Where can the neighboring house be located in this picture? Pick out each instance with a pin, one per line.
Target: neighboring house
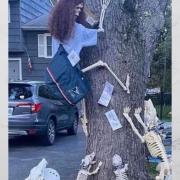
(30, 44)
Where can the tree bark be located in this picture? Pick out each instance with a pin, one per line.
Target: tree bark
(127, 45)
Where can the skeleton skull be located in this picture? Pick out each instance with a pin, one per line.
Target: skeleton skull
(150, 114)
(117, 161)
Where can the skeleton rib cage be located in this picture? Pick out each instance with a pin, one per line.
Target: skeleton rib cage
(151, 138)
(120, 175)
(155, 146)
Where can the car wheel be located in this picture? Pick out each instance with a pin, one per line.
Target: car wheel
(50, 135)
(74, 128)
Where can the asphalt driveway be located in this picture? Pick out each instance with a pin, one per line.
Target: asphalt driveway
(64, 156)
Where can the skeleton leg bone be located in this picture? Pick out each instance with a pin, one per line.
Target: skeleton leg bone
(84, 118)
(164, 173)
(160, 168)
(102, 64)
(126, 115)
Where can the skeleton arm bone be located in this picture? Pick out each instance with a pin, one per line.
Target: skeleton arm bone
(126, 115)
(138, 117)
(117, 79)
(101, 20)
(104, 5)
(102, 64)
(128, 83)
(97, 64)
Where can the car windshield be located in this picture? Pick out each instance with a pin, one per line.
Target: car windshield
(19, 91)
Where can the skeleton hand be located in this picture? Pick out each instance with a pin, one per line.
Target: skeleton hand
(138, 110)
(100, 163)
(100, 29)
(127, 110)
(126, 167)
(138, 117)
(126, 115)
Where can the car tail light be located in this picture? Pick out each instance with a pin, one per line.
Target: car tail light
(34, 107)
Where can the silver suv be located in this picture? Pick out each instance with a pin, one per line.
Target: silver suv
(34, 109)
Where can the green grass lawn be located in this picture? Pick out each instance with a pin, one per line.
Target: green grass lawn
(166, 113)
(152, 170)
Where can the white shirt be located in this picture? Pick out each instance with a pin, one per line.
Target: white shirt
(82, 37)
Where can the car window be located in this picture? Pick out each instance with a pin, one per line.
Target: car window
(55, 92)
(49, 91)
(44, 91)
(20, 91)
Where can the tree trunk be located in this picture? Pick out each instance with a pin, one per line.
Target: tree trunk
(127, 45)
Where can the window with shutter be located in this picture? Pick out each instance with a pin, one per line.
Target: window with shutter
(49, 45)
(41, 45)
(45, 45)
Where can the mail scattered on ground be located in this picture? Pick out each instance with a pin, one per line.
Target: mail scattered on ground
(73, 58)
(113, 120)
(106, 94)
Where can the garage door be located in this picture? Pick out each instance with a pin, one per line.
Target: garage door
(15, 69)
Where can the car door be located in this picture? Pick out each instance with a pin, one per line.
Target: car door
(63, 111)
(52, 106)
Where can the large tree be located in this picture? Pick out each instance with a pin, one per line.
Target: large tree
(131, 32)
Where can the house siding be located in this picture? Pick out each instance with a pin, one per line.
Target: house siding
(32, 9)
(38, 64)
(15, 44)
(21, 12)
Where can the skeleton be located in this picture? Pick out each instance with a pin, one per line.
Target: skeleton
(104, 5)
(40, 172)
(86, 165)
(120, 172)
(102, 64)
(150, 137)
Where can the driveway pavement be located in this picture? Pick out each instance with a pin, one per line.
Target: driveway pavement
(64, 156)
